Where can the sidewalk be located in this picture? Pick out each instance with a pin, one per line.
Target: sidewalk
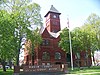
(89, 73)
(84, 73)
(58, 73)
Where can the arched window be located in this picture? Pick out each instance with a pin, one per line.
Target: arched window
(57, 55)
(45, 56)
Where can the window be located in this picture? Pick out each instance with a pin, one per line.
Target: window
(57, 55)
(46, 56)
(45, 42)
(55, 23)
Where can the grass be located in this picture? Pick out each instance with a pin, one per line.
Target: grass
(85, 71)
(8, 72)
(77, 71)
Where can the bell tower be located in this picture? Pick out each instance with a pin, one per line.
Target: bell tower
(53, 20)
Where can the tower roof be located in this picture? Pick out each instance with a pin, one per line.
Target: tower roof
(52, 9)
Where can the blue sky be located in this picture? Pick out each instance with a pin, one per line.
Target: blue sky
(76, 10)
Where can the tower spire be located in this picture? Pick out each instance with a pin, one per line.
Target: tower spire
(53, 10)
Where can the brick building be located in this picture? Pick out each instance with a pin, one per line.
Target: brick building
(48, 53)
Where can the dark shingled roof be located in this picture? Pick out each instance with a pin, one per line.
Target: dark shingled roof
(52, 9)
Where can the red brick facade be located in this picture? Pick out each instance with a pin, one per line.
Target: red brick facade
(49, 53)
(83, 60)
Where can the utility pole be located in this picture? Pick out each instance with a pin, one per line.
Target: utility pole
(70, 46)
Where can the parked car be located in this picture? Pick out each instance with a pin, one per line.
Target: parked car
(7, 67)
(0, 66)
(98, 64)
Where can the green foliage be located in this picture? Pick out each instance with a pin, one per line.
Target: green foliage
(35, 37)
(76, 40)
(20, 14)
(64, 42)
(92, 24)
(85, 38)
(93, 19)
(6, 35)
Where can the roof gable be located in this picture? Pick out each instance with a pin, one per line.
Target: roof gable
(45, 33)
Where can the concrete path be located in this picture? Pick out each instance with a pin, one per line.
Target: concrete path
(92, 73)
(59, 73)
(43, 73)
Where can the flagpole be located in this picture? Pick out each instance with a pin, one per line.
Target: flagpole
(70, 46)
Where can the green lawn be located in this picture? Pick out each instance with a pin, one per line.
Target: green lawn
(77, 71)
(8, 72)
(86, 71)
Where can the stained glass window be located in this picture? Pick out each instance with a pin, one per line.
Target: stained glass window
(46, 56)
(57, 55)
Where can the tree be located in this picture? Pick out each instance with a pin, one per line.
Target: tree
(6, 38)
(94, 21)
(76, 39)
(87, 35)
(84, 38)
(92, 24)
(24, 14)
(36, 39)
(64, 42)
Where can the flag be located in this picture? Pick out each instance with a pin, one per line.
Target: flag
(68, 22)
